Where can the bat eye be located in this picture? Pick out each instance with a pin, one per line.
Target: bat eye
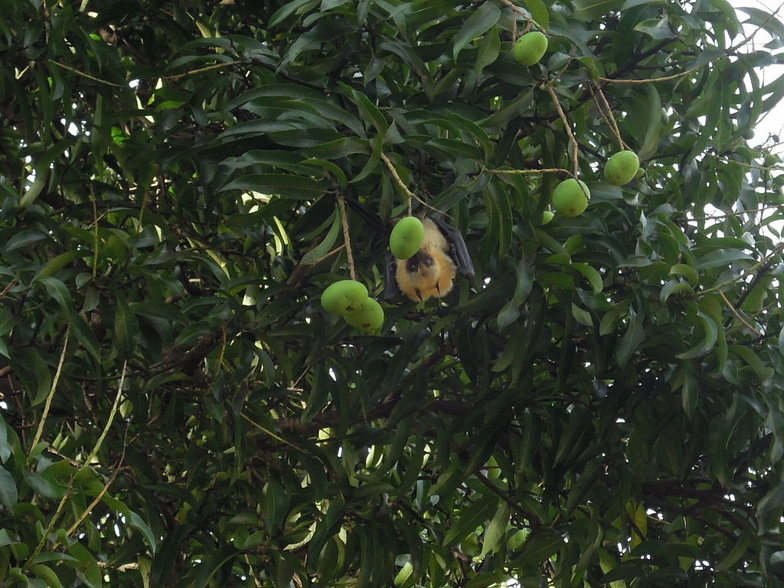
(427, 260)
(412, 265)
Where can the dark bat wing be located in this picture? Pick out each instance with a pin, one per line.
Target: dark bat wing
(391, 289)
(457, 247)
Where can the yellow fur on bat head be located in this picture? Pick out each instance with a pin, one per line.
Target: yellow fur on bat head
(430, 271)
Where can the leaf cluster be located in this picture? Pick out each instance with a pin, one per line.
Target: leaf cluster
(601, 405)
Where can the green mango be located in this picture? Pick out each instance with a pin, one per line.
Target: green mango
(407, 237)
(571, 197)
(344, 297)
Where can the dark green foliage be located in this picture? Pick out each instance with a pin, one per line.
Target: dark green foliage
(601, 405)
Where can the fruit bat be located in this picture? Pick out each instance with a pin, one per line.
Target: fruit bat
(431, 271)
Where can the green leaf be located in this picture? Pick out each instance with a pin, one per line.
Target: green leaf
(631, 340)
(656, 28)
(496, 530)
(582, 316)
(5, 445)
(139, 523)
(728, 10)
(211, 564)
(525, 281)
(689, 391)
(472, 517)
(654, 125)
(674, 287)
(590, 274)
(623, 572)
(710, 335)
(47, 574)
(770, 508)
(286, 186)
(479, 22)
(737, 552)
(290, 8)
(578, 426)
(765, 20)
(126, 327)
(22, 239)
(595, 9)
(721, 258)
(8, 491)
(540, 546)
(488, 50)
(86, 338)
(368, 111)
(41, 373)
(686, 271)
(748, 355)
(57, 263)
(5, 539)
(539, 12)
(90, 573)
(326, 244)
(44, 487)
(58, 290)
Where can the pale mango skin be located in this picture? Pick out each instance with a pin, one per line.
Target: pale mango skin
(407, 237)
(621, 168)
(344, 297)
(570, 197)
(530, 48)
(369, 318)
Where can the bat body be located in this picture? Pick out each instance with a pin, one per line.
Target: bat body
(431, 271)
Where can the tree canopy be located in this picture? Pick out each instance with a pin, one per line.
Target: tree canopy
(600, 405)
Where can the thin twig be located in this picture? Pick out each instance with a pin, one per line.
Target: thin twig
(100, 494)
(49, 398)
(96, 239)
(121, 568)
(268, 432)
(326, 255)
(296, 382)
(565, 121)
(729, 51)
(403, 186)
(752, 34)
(23, 72)
(194, 72)
(751, 165)
(740, 276)
(736, 213)
(651, 80)
(397, 177)
(522, 13)
(10, 285)
(607, 114)
(525, 172)
(112, 414)
(346, 236)
(85, 75)
(737, 314)
(48, 531)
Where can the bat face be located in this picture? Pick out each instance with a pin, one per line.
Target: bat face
(432, 270)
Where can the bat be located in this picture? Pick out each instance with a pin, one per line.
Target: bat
(431, 271)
